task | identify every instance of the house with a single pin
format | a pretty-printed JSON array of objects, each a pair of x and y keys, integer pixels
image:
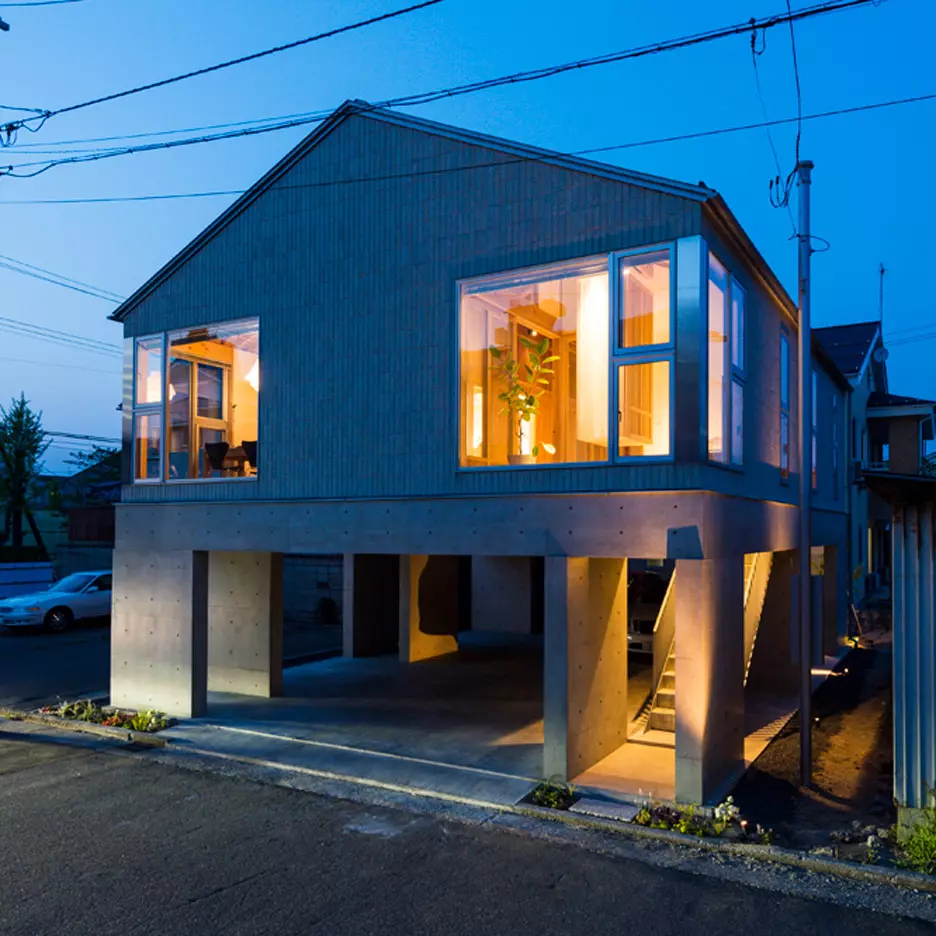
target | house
[
  {"x": 859, "y": 353},
  {"x": 490, "y": 377}
]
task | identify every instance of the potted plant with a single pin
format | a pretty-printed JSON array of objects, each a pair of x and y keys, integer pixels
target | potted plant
[{"x": 525, "y": 384}]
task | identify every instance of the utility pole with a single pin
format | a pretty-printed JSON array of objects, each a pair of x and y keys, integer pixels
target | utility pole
[
  {"x": 804, "y": 360},
  {"x": 881, "y": 298}
]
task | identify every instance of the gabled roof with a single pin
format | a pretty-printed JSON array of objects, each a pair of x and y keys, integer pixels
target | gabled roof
[
  {"x": 849, "y": 345},
  {"x": 895, "y": 399},
  {"x": 715, "y": 207}
]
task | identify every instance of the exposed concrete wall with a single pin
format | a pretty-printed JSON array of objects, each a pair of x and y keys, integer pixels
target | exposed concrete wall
[
  {"x": 709, "y": 677},
  {"x": 667, "y": 524},
  {"x": 585, "y": 689},
  {"x": 371, "y": 605},
  {"x": 429, "y": 610},
  {"x": 245, "y": 623},
  {"x": 159, "y": 632},
  {"x": 502, "y": 593},
  {"x": 773, "y": 662}
]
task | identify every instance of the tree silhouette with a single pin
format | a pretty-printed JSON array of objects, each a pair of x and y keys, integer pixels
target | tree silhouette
[{"x": 22, "y": 444}]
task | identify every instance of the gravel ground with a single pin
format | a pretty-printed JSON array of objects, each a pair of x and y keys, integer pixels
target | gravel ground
[{"x": 852, "y": 760}]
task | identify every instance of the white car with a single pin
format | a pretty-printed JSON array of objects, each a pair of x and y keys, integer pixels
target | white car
[{"x": 77, "y": 596}]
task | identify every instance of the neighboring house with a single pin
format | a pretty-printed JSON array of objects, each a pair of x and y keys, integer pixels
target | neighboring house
[
  {"x": 324, "y": 369},
  {"x": 858, "y": 351}
]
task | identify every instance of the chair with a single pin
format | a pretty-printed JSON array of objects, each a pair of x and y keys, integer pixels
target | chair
[
  {"x": 216, "y": 453},
  {"x": 250, "y": 450}
]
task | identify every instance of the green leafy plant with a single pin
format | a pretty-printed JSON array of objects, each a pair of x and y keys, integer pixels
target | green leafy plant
[
  {"x": 85, "y": 710},
  {"x": 918, "y": 848},
  {"x": 553, "y": 794},
  {"x": 525, "y": 384}
]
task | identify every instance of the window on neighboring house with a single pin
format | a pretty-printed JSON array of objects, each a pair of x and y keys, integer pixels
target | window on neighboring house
[
  {"x": 784, "y": 406},
  {"x": 836, "y": 480},
  {"x": 536, "y": 362},
  {"x": 195, "y": 403},
  {"x": 814, "y": 450}
]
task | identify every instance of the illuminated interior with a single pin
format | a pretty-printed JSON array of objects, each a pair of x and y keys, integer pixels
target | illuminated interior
[
  {"x": 645, "y": 298},
  {"x": 547, "y": 338},
  {"x": 717, "y": 361},
  {"x": 644, "y": 409},
  {"x": 209, "y": 409}
]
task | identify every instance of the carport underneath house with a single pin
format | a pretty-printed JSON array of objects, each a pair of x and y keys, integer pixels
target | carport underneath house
[{"x": 424, "y": 578}]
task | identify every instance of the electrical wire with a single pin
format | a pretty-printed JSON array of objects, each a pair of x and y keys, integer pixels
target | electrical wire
[
  {"x": 59, "y": 280},
  {"x": 591, "y": 151},
  {"x": 80, "y": 436},
  {"x": 61, "y": 364},
  {"x": 328, "y": 34},
  {"x": 35, "y": 3},
  {"x": 768, "y": 22},
  {"x": 66, "y": 338}
]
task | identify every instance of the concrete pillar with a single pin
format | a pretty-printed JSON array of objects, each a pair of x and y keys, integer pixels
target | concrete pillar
[
  {"x": 370, "y": 605},
  {"x": 502, "y": 594},
  {"x": 159, "y": 632},
  {"x": 585, "y": 684},
  {"x": 709, "y": 677},
  {"x": 429, "y": 606},
  {"x": 245, "y": 623}
]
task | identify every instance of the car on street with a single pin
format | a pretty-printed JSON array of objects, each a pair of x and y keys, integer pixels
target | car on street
[{"x": 80, "y": 596}]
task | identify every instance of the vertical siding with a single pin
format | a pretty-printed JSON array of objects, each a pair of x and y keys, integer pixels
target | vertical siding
[
  {"x": 914, "y": 653},
  {"x": 355, "y": 288}
]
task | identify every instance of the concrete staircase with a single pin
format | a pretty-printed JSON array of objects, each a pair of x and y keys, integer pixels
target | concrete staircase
[{"x": 663, "y": 710}]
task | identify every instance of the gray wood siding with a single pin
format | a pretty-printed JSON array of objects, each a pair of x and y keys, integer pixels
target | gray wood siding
[{"x": 355, "y": 288}]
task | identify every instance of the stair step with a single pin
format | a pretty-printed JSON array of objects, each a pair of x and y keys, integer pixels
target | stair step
[
  {"x": 665, "y": 699},
  {"x": 663, "y": 720},
  {"x": 668, "y": 681}
]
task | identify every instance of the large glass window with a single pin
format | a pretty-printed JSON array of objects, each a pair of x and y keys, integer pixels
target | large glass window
[
  {"x": 717, "y": 361},
  {"x": 645, "y": 300},
  {"x": 203, "y": 386},
  {"x": 534, "y": 366},
  {"x": 644, "y": 409}
]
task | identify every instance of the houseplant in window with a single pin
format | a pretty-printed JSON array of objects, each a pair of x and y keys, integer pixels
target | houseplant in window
[{"x": 525, "y": 382}]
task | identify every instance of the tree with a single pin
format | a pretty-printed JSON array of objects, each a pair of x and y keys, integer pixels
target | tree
[
  {"x": 23, "y": 442},
  {"x": 100, "y": 465}
]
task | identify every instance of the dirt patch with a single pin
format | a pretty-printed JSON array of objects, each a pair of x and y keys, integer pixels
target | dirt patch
[{"x": 852, "y": 760}]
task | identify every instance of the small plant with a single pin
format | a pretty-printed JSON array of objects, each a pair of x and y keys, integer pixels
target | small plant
[
  {"x": 918, "y": 849},
  {"x": 727, "y": 812},
  {"x": 525, "y": 384},
  {"x": 764, "y": 836},
  {"x": 85, "y": 710},
  {"x": 81, "y": 710},
  {"x": 553, "y": 794}
]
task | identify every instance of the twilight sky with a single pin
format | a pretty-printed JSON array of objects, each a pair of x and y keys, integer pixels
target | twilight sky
[{"x": 872, "y": 195}]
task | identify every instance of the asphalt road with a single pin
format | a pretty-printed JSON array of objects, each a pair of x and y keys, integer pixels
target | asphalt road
[
  {"x": 111, "y": 843},
  {"x": 35, "y": 667}
]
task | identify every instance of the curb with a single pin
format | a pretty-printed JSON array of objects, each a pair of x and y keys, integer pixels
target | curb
[
  {"x": 106, "y": 731},
  {"x": 870, "y": 874}
]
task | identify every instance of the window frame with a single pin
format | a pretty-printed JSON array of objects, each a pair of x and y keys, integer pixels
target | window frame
[
  {"x": 616, "y": 356},
  {"x": 641, "y": 354},
  {"x": 161, "y": 408},
  {"x": 738, "y": 371}
]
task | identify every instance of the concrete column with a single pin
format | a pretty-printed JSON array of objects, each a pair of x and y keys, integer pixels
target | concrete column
[
  {"x": 501, "y": 594},
  {"x": 429, "y": 607},
  {"x": 709, "y": 677},
  {"x": 585, "y": 684},
  {"x": 370, "y": 605},
  {"x": 159, "y": 632},
  {"x": 245, "y": 623}
]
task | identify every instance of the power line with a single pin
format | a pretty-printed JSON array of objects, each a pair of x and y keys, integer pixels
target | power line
[
  {"x": 595, "y": 150},
  {"x": 228, "y": 64},
  {"x": 80, "y": 436},
  {"x": 79, "y": 342},
  {"x": 35, "y": 3},
  {"x": 58, "y": 280},
  {"x": 516, "y": 78},
  {"x": 59, "y": 364}
]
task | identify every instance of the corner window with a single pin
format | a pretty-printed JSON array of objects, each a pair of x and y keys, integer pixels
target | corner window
[
  {"x": 784, "y": 407},
  {"x": 645, "y": 300},
  {"x": 196, "y": 401},
  {"x": 644, "y": 409},
  {"x": 534, "y": 366}
]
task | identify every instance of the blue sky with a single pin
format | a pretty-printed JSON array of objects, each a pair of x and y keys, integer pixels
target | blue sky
[{"x": 872, "y": 199}]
